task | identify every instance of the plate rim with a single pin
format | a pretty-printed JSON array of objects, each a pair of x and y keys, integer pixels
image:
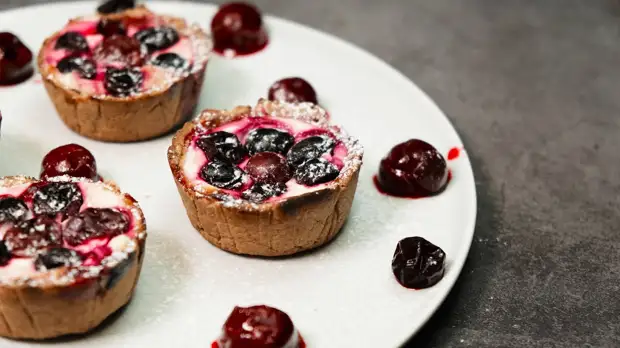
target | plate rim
[{"x": 472, "y": 209}]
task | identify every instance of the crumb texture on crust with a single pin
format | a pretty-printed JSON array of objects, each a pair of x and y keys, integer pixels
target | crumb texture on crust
[
  {"x": 33, "y": 313},
  {"x": 280, "y": 228}
]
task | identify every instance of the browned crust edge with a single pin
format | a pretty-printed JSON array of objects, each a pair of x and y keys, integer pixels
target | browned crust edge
[
  {"x": 282, "y": 228},
  {"x": 136, "y": 118},
  {"x": 38, "y": 313}
]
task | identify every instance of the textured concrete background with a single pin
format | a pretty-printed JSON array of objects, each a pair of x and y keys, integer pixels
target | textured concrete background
[{"x": 533, "y": 88}]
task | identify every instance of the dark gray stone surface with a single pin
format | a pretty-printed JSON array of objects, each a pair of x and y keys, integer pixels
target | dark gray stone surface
[{"x": 533, "y": 86}]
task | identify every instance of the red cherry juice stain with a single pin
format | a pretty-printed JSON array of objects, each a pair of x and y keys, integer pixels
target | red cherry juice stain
[
  {"x": 375, "y": 180},
  {"x": 454, "y": 153},
  {"x": 37, "y": 81}
]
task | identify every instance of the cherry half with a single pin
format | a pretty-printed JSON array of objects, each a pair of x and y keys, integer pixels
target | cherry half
[
  {"x": 15, "y": 60},
  {"x": 418, "y": 263},
  {"x": 413, "y": 169},
  {"x": 292, "y": 90},
  {"x": 257, "y": 327},
  {"x": 237, "y": 29},
  {"x": 71, "y": 159}
]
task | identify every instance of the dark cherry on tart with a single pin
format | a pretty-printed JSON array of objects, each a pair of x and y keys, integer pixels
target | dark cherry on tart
[
  {"x": 292, "y": 90},
  {"x": 73, "y": 160},
  {"x": 271, "y": 180},
  {"x": 115, "y": 6},
  {"x": 413, "y": 169},
  {"x": 259, "y": 327},
  {"x": 125, "y": 76},
  {"x": 237, "y": 30},
  {"x": 15, "y": 60},
  {"x": 418, "y": 263},
  {"x": 70, "y": 254}
]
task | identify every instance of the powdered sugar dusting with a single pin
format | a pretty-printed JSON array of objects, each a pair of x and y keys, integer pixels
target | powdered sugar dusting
[
  {"x": 307, "y": 116},
  {"x": 194, "y": 46},
  {"x": 21, "y": 271}
]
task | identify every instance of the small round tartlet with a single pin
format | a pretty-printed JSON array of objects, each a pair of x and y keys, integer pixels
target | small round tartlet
[
  {"x": 271, "y": 180},
  {"x": 71, "y": 251},
  {"x": 127, "y": 76}
]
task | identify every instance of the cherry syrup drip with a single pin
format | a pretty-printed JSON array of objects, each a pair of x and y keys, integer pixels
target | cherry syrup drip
[
  {"x": 454, "y": 153},
  {"x": 237, "y": 30}
]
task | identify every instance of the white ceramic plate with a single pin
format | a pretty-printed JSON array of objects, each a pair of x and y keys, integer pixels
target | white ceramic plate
[{"x": 343, "y": 295}]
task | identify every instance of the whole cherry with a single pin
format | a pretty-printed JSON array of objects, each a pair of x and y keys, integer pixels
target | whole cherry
[
  {"x": 238, "y": 27},
  {"x": 15, "y": 60},
  {"x": 71, "y": 159},
  {"x": 292, "y": 90},
  {"x": 413, "y": 169},
  {"x": 257, "y": 327}
]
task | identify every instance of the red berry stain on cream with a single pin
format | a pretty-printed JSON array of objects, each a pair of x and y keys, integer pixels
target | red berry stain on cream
[
  {"x": 454, "y": 153},
  {"x": 237, "y": 30}
]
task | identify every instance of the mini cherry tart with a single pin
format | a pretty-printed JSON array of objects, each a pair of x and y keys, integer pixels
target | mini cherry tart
[
  {"x": 127, "y": 76},
  {"x": 282, "y": 164},
  {"x": 259, "y": 327},
  {"x": 123, "y": 55},
  {"x": 71, "y": 235}
]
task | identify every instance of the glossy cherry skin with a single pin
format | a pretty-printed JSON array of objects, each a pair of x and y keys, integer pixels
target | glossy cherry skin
[
  {"x": 268, "y": 167},
  {"x": 257, "y": 327},
  {"x": 413, "y": 169},
  {"x": 114, "y": 6},
  {"x": 95, "y": 223},
  {"x": 26, "y": 237},
  {"x": 5, "y": 254},
  {"x": 71, "y": 159},
  {"x": 238, "y": 27},
  {"x": 15, "y": 60},
  {"x": 109, "y": 27},
  {"x": 292, "y": 90},
  {"x": 120, "y": 50},
  {"x": 418, "y": 263}
]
